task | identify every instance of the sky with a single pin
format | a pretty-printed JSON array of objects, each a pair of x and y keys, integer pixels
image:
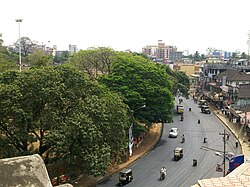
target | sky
[{"x": 192, "y": 25}]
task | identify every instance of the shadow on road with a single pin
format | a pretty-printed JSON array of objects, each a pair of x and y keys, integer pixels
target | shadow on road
[{"x": 160, "y": 143}]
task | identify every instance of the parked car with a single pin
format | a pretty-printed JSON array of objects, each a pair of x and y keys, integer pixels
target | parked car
[
  {"x": 125, "y": 176},
  {"x": 173, "y": 133}
]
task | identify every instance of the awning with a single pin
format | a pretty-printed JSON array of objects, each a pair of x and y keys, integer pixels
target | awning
[
  {"x": 245, "y": 118},
  {"x": 235, "y": 112}
]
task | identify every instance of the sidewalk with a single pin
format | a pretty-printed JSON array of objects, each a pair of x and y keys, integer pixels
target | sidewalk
[
  {"x": 236, "y": 130},
  {"x": 146, "y": 145}
]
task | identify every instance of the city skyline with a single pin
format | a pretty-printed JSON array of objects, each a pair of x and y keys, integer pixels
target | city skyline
[{"x": 122, "y": 25}]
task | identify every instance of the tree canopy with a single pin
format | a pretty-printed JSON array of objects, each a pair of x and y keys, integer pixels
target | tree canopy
[
  {"x": 94, "y": 61},
  {"x": 40, "y": 58},
  {"x": 141, "y": 82},
  {"x": 27, "y": 46},
  {"x": 58, "y": 111},
  {"x": 7, "y": 62}
]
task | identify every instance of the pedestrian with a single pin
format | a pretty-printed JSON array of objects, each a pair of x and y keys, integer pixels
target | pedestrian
[
  {"x": 236, "y": 144},
  {"x": 227, "y": 136}
]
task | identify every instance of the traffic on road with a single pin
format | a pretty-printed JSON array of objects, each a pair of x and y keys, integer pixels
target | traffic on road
[{"x": 186, "y": 161}]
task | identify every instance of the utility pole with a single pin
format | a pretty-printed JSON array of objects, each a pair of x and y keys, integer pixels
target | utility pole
[{"x": 224, "y": 151}]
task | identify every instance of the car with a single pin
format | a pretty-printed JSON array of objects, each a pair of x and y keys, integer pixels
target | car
[
  {"x": 173, "y": 133},
  {"x": 125, "y": 176}
]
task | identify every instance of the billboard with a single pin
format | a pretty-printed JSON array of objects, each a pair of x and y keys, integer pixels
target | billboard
[{"x": 238, "y": 160}]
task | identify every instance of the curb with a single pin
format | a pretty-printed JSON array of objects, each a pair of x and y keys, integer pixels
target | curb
[
  {"x": 225, "y": 124},
  {"x": 106, "y": 177}
]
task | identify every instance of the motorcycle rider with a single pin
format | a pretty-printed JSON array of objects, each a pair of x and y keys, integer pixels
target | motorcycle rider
[
  {"x": 163, "y": 173},
  {"x": 182, "y": 117},
  {"x": 183, "y": 138}
]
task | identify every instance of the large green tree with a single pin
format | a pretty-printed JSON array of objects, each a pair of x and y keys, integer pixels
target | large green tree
[
  {"x": 27, "y": 46},
  {"x": 58, "y": 111},
  {"x": 141, "y": 82}
]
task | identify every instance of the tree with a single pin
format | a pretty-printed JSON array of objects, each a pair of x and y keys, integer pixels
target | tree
[
  {"x": 141, "y": 82},
  {"x": 234, "y": 55},
  {"x": 61, "y": 58},
  {"x": 6, "y": 61},
  {"x": 94, "y": 61},
  {"x": 179, "y": 79},
  {"x": 58, "y": 111},
  {"x": 40, "y": 58},
  {"x": 243, "y": 55},
  {"x": 197, "y": 56},
  {"x": 27, "y": 46},
  {"x": 203, "y": 57},
  {"x": 182, "y": 82}
]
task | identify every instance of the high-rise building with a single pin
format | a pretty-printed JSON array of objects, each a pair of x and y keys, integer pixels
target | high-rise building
[
  {"x": 162, "y": 52},
  {"x": 72, "y": 48}
]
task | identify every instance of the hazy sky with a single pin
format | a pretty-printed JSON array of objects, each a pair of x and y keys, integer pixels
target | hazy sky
[{"x": 129, "y": 24}]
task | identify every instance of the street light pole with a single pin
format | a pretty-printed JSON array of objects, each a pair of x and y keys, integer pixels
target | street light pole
[
  {"x": 248, "y": 50},
  {"x": 20, "y": 57}
]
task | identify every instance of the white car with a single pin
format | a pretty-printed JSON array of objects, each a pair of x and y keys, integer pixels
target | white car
[{"x": 173, "y": 133}]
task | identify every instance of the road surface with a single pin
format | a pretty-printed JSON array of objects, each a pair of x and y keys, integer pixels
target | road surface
[{"x": 182, "y": 173}]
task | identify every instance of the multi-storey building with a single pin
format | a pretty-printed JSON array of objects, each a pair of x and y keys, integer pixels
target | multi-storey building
[
  {"x": 72, "y": 48},
  {"x": 162, "y": 52}
]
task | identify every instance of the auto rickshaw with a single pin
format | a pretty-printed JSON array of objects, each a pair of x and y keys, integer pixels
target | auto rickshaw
[
  {"x": 125, "y": 176},
  {"x": 178, "y": 153}
]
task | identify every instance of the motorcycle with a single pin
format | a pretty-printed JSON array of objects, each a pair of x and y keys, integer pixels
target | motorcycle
[
  {"x": 182, "y": 118},
  {"x": 163, "y": 175},
  {"x": 183, "y": 140}
]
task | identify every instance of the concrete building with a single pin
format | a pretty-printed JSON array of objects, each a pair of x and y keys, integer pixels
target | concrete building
[
  {"x": 72, "y": 48},
  {"x": 189, "y": 69},
  {"x": 162, "y": 52}
]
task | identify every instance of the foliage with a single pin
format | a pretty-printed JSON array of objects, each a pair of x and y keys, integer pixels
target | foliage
[
  {"x": 197, "y": 56},
  {"x": 244, "y": 55},
  {"x": 27, "y": 46},
  {"x": 94, "y": 61},
  {"x": 179, "y": 79},
  {"x": 141, "y": 82},
  {"x": 234, "y": 55},
  {"x": 182, "y": 82},
  {"x": 139, "y": 129},
  {"x": 40, "y": 58},
  {"x": 62, "y": 58},
  {"x": 6, "y": 61},
  {"x": 58, "y": 111}
]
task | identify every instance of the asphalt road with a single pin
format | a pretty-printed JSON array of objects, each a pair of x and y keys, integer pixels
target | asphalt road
[{"x": 182, "y": 173}]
